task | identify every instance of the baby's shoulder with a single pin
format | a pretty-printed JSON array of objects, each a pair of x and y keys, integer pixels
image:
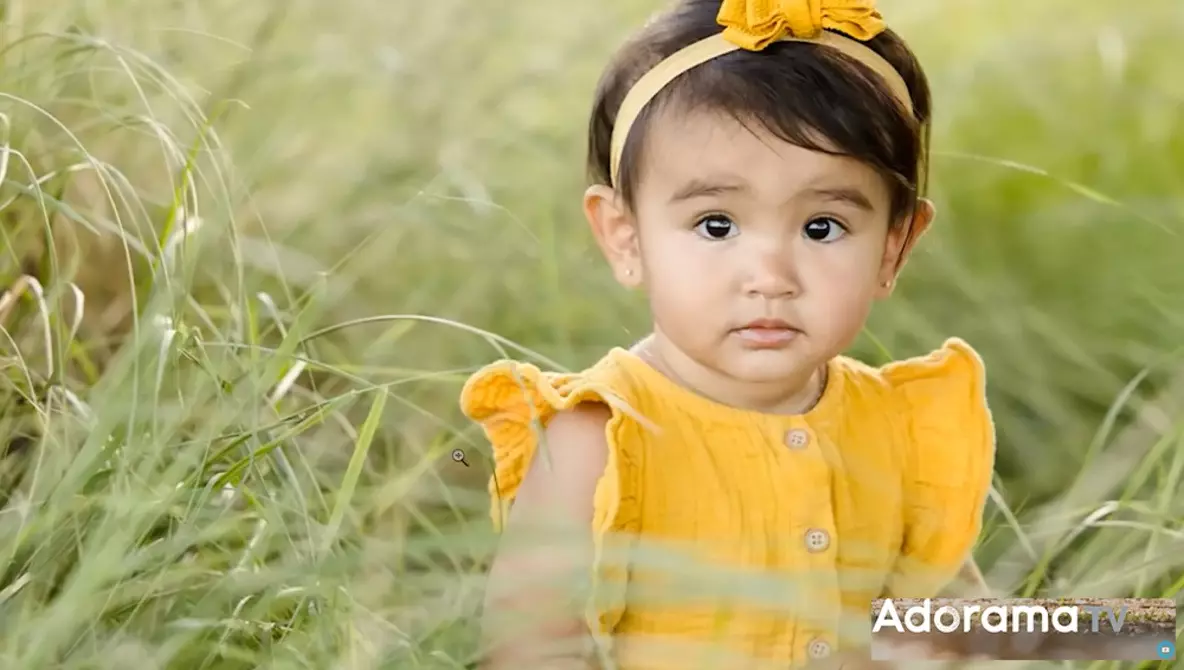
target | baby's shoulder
[
  {"x": 939, "y": 400},
  {"x": 583, "y": 421},
  {"x": 920, "y": 382},
  {"x": 515, "y": 390}
]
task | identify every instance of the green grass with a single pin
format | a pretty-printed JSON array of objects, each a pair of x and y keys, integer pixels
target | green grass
[{"x": 219, "y": 457}]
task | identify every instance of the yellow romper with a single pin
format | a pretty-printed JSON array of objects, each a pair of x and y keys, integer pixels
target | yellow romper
[{"x": 770, "y": 534}]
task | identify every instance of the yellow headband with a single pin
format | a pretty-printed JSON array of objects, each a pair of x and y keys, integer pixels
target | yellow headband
[{"x": 753, "y": 25}]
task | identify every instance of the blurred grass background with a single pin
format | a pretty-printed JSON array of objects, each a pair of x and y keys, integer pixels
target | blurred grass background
[{"x": 251, "y": 250}]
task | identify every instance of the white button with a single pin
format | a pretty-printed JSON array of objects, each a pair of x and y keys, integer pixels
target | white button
[
  {"x": 818, "y": 648},
  {"x": 817, "y": 539},
  {"x": 797, "y": 438}
]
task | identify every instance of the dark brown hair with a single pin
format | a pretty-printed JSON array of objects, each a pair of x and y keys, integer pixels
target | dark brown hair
[{"x": 811, "y": 96}]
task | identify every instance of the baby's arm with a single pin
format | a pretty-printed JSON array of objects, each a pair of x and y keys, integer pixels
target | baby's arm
[{"x": 534, "y": 603}]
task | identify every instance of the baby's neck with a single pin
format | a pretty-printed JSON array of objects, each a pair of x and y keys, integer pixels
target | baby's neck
[{"x": 786, "y": 396}]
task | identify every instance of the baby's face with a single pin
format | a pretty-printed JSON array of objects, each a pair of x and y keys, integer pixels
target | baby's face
[{"x": 737, "y": 226}]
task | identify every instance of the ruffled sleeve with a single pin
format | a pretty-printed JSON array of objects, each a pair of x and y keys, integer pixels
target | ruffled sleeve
[
  {"x": 512, "y": 402},
  {"x": 949, "y": 459}
]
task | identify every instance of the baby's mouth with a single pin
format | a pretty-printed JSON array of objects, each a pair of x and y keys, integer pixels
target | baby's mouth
[{"x": 767, "y": 333}]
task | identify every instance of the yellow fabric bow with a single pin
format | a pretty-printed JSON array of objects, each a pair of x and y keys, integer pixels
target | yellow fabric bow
[{"x": 754, "y": 24}]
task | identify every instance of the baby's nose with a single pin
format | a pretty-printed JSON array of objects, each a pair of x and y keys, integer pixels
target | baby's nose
[{"x": 772, "y": 274}]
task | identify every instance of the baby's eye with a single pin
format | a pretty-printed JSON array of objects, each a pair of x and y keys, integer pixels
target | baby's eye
[
  {"x": 824, "y": 229},
  {"x": 716, "y": 227}
]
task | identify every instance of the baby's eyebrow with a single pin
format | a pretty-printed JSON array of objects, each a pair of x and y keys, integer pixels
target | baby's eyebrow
[
  {"x": 698, "y": 188},
  {"x": 851, "y": 196}
]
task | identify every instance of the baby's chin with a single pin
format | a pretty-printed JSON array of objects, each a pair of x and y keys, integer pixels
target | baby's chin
[
  {"x": 763, "y": 372},
  {"x": 766, "y": 367}
]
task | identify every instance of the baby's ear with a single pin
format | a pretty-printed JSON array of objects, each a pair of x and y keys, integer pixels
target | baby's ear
[
  {"x": 901, "y": 241},
  {"x": 616, "y": 233}
]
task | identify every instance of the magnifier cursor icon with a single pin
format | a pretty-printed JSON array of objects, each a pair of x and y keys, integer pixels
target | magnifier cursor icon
[{"x": 458, "y": 455}]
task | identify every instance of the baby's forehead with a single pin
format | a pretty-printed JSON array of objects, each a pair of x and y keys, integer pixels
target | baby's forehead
[{"x": 705, "y": 146}]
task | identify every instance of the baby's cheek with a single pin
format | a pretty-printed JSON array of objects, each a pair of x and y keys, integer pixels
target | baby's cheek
[
  {"x": 690, "y": 305},
  {"x": 685, "y": 273},
  {"x": 843, "y": 310},
  {"x": 683, "y": 300}
]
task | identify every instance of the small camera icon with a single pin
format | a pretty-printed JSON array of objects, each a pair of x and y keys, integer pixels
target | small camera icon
[{"x": 1166, "y": 650}]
